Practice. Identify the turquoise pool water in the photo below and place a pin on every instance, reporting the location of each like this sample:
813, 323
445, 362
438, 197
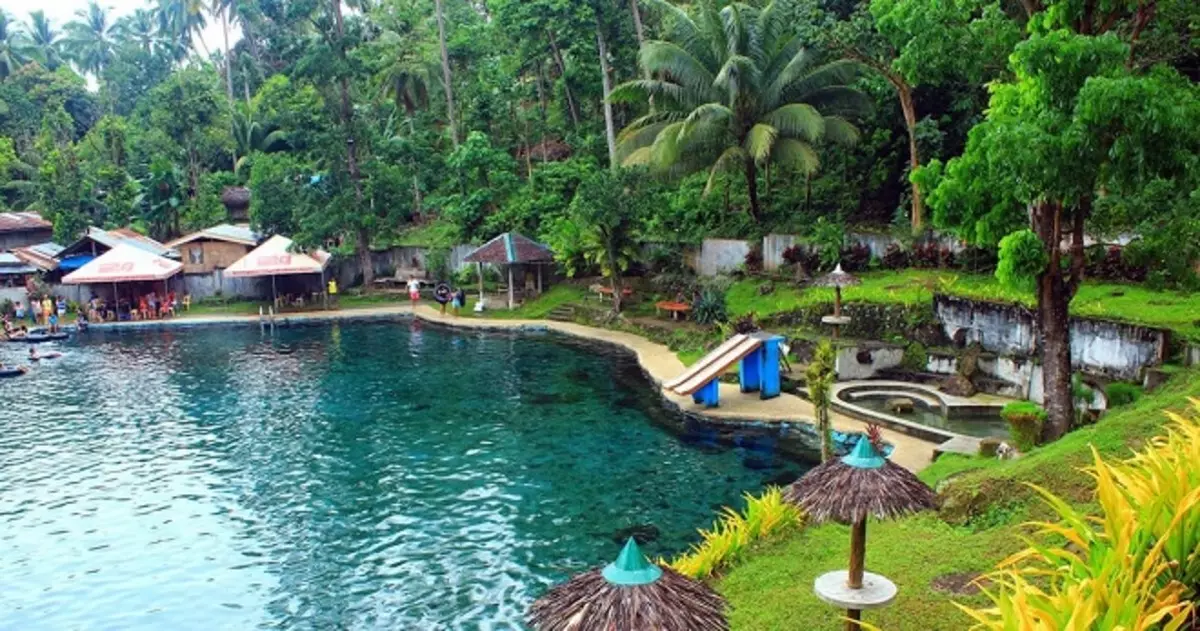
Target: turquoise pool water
361, 476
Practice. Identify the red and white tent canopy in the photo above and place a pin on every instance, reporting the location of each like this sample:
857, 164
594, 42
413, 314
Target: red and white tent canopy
122, 264
272, 258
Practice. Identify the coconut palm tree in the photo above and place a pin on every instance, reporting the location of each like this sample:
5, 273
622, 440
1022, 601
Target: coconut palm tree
45, 42
14, 47
140, 29
735, 90
90, 39
182, 20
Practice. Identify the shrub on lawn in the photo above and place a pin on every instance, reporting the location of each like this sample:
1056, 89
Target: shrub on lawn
1135, 566
709, 307
733, 532
894, 257
1025, 420
1119, 393
754, 260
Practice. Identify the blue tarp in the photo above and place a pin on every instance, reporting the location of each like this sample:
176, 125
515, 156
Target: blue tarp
72, 263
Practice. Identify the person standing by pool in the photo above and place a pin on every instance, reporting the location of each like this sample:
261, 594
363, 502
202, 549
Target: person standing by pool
48, 310
332, 292
414, 291
441, 294
61, 306
460, 300
20, 310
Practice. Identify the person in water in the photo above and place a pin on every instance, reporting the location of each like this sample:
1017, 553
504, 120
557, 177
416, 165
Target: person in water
35, 356
460, 300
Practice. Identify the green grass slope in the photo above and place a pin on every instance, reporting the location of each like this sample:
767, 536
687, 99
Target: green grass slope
986, 502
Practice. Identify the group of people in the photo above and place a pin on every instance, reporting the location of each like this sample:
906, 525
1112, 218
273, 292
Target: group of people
150, 306
49, 311
442, 294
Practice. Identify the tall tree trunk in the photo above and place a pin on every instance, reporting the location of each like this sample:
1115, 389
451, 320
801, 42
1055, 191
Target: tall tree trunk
541, 92
228, 54
1054, 298
572, 108
641, 39
446, 78
908, 106
363, 237
246, 89
752, 188
610, 133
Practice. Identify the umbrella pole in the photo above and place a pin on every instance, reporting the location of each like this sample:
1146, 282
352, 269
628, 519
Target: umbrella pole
858, 554
837, 310
480, 281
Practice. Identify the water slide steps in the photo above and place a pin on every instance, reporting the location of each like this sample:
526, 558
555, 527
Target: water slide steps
714, 364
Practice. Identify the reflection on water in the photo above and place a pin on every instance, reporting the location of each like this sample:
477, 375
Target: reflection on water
361, 476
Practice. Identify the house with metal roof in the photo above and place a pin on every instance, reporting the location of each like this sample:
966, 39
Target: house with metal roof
97, 241
214, 248
43, 256
19, 229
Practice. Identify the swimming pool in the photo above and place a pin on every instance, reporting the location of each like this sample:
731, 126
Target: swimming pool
384, 475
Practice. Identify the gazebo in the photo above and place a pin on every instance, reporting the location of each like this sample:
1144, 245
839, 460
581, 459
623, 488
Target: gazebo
275, 258
630, 593
837, 279
124, 263
511, 249
846, 490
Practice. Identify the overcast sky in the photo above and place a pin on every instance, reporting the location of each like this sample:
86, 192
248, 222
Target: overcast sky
62, 11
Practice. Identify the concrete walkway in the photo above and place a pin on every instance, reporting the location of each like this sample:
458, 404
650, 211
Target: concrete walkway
658, 361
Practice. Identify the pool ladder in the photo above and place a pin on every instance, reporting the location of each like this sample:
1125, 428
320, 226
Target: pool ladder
266, 318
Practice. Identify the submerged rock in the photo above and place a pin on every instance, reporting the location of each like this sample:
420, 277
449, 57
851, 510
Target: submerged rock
641, 533
901, 405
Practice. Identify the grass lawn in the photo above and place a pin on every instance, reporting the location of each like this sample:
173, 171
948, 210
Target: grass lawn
208, 308
983, 509
1178, 311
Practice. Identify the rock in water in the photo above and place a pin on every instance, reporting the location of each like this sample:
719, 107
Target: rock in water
901, 405
641, 533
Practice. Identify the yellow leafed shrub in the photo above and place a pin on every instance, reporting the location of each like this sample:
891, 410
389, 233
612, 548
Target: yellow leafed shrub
733, 532
1134, 567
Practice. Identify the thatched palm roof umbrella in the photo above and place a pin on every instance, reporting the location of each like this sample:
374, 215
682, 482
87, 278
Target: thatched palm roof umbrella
836, 279
629, 594
847, 490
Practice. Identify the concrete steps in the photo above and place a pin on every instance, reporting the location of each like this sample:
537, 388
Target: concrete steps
562, 313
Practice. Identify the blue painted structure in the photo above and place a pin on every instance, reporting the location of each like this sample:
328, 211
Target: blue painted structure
757, 372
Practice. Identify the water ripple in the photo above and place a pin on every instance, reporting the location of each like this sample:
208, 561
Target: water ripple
368, 476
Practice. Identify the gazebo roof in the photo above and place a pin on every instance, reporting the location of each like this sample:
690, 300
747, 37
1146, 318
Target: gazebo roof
630, 593
859, 484
837, 278
510, 248
124, 263
276, 258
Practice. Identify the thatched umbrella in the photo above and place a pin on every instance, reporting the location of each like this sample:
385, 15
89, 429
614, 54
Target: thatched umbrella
847, 490
836, 279
627, 594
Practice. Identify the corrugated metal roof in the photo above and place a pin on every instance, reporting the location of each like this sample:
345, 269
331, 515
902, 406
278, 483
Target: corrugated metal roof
11, 264
41, 255
112, 238
240, 234
22, 221
508, 248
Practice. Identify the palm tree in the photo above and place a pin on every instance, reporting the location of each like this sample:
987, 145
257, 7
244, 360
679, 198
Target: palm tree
141, 29
90, 38
447, 79
253, 135
227, 10
45, 45
181, 20
14, 47
735, 89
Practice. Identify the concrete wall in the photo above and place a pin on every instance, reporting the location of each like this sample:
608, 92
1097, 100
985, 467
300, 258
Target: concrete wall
773, 248
216, 283
15, 294
854, 363
719, 256
22, 238
1099, 346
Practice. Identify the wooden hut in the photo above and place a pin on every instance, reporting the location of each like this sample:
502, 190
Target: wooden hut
512, 251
